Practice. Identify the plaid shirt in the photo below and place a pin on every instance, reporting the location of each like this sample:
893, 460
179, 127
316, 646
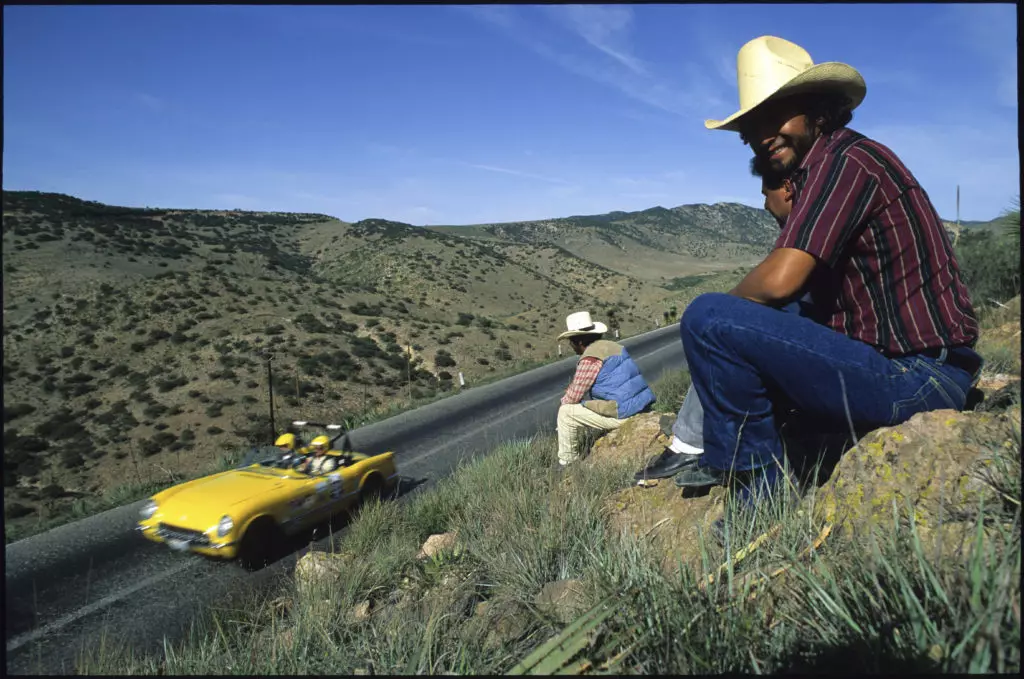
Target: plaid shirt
892, 279
586, 373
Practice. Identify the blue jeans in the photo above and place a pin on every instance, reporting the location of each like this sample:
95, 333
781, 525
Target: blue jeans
745, 358
689, 424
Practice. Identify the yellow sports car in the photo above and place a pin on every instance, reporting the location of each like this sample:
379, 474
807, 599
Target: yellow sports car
245, 511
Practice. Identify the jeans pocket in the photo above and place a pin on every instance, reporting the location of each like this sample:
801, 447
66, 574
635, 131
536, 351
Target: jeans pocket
930, 396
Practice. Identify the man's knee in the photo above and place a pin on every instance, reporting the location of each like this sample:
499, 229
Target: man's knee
702, 310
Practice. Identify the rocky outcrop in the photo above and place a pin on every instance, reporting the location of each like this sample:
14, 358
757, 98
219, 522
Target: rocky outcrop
932, 468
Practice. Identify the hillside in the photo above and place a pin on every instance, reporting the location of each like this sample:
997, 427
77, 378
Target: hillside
700, 238
133, 338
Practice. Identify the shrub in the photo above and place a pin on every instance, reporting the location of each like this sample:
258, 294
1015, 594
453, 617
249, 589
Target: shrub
17, 410
990, 266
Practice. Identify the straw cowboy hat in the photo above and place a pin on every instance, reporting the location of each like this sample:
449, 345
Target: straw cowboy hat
770, 68
579, 323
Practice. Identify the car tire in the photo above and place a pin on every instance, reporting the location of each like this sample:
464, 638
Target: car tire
373, 488
259, 544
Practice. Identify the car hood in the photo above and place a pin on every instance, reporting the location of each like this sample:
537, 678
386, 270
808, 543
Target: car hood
201, 503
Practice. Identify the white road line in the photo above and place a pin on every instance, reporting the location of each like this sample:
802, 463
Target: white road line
449, 442
28, 637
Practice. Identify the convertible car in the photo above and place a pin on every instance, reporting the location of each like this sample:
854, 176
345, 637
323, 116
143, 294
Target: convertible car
244, 512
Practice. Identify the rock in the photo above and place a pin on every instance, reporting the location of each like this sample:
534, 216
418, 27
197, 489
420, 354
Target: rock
561, 599
504, 622
361, 612
636, 440
439, 542
674, 524
930, 466
318, 567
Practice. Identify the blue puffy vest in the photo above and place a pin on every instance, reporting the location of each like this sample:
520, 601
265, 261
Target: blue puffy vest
619, 379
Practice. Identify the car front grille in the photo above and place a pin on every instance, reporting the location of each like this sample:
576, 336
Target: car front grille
175, 533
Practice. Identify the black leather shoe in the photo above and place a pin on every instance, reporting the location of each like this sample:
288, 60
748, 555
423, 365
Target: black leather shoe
700, 477
666, 465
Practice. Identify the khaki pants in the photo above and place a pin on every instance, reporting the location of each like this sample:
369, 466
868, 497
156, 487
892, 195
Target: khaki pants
574, 421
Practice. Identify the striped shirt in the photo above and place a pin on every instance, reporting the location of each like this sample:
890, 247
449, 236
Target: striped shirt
892, 279
586, 374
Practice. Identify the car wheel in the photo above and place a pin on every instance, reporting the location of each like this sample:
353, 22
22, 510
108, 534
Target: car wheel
259, 544
372, 489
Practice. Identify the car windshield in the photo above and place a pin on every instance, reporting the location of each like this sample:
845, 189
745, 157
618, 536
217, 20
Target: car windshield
272, 457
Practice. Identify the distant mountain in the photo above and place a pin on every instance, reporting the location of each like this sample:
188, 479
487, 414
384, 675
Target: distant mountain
652, 243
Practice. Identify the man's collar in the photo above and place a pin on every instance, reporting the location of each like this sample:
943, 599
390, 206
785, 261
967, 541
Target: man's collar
821, 147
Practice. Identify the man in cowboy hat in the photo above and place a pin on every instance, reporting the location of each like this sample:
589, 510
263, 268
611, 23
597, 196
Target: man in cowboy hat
865, 241
608, 375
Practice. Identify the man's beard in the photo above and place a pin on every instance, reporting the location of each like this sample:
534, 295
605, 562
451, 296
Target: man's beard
798, 145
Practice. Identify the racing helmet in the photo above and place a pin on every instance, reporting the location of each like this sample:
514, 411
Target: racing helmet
286, 441
320, 443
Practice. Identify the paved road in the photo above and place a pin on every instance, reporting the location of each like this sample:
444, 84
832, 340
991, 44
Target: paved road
69, 587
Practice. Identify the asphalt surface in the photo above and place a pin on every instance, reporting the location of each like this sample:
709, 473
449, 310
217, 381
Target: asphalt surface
96, 582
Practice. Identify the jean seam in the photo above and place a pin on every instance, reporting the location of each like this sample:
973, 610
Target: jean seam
943, 378
916, 401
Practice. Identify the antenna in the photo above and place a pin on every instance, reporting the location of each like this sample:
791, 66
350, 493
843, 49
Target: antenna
956, 237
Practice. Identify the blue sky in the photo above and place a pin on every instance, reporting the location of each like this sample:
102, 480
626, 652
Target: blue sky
469, 114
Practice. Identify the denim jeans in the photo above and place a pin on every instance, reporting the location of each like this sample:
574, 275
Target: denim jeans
689, 424
745, 358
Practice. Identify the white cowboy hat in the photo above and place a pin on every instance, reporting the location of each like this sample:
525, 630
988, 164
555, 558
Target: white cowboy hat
579, 323
769, 68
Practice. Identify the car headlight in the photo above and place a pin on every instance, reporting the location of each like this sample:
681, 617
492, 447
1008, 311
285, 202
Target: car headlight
225, 526
148, 510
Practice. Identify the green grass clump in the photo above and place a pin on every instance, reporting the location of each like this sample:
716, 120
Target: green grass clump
671, 390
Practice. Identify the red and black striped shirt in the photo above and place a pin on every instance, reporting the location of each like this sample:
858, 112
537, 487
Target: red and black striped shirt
891, 278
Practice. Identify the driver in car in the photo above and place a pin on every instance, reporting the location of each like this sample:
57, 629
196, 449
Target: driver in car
318, 462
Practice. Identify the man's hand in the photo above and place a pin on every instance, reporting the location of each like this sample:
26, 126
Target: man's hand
779, 279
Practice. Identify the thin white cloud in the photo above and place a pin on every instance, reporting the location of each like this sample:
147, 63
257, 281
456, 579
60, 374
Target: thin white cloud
621, 74
604, 27
517, 173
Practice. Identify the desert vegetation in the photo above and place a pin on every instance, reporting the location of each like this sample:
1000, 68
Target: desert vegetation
136, 339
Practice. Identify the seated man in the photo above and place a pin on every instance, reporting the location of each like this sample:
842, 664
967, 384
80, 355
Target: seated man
609, 375
688, 429
865, 240
318, 462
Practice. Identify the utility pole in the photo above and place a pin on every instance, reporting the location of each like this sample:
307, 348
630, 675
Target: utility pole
408, 371
270, 391
956, 237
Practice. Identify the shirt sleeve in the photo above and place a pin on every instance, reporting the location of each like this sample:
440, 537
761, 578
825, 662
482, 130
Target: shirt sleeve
830, 208
586, 374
